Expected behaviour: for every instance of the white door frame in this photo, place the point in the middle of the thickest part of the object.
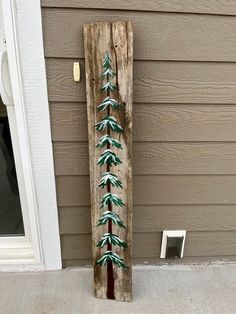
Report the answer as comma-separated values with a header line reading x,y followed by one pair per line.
x,y
40,248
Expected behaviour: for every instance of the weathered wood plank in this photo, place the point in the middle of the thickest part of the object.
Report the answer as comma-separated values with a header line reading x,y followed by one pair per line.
x,y
155,82
155,158
153,122
117,38
76,220
150,190
227,7
158,36
147,245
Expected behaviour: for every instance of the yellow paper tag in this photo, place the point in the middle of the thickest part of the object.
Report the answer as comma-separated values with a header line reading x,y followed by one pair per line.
x,y
76,71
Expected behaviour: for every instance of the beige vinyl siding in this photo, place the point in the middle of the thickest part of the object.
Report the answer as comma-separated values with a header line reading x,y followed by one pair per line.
x,y
162,122
155,82
146,245
182,36
222,7
157,189
155,158
76,220
184,118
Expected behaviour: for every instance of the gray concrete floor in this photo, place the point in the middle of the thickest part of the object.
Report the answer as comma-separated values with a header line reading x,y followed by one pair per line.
x,y
157,289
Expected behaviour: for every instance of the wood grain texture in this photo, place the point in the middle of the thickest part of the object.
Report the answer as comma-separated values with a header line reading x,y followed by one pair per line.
x,y
152,158
158,36
153,122
227,7
147,245
155,82
117,38
76,220
154,190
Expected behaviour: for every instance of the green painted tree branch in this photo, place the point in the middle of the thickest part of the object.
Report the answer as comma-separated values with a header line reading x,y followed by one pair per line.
x,y
108,140
109,122
108,215
113,257
108,179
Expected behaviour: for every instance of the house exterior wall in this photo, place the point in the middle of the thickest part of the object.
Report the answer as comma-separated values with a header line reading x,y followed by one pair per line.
x,y
184,159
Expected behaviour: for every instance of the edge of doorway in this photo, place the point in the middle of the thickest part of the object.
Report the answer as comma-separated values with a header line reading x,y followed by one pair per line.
x,y
41,250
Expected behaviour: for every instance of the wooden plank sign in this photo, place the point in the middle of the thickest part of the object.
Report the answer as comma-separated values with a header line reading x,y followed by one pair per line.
x,y
109,76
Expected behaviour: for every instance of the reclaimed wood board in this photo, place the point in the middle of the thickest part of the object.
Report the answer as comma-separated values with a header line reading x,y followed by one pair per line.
x,y
116,39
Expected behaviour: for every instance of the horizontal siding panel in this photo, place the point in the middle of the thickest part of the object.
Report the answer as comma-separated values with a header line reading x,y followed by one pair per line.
x,y
155,158
210,243
69,121
79,246
159,262
150,190
147,245
199,37
227,7
71,158
76,220
154,82
76,246
153,122
76,262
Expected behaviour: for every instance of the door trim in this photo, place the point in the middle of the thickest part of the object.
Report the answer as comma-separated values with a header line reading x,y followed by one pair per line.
x,y
23,29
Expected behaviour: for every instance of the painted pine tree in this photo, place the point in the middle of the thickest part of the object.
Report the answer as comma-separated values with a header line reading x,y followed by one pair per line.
x,y
109,159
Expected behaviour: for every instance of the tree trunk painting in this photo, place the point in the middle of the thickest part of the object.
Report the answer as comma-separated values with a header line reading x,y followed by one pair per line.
x,y
109,67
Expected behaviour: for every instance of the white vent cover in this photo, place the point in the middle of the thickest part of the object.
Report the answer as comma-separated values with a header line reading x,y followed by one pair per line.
x,y
168,234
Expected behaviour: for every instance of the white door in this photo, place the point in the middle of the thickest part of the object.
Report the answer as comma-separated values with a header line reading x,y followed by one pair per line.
x,y
29,231
11,218
16,240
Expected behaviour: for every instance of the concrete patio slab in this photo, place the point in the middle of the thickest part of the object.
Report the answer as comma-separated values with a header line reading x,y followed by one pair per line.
x,y
157,289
